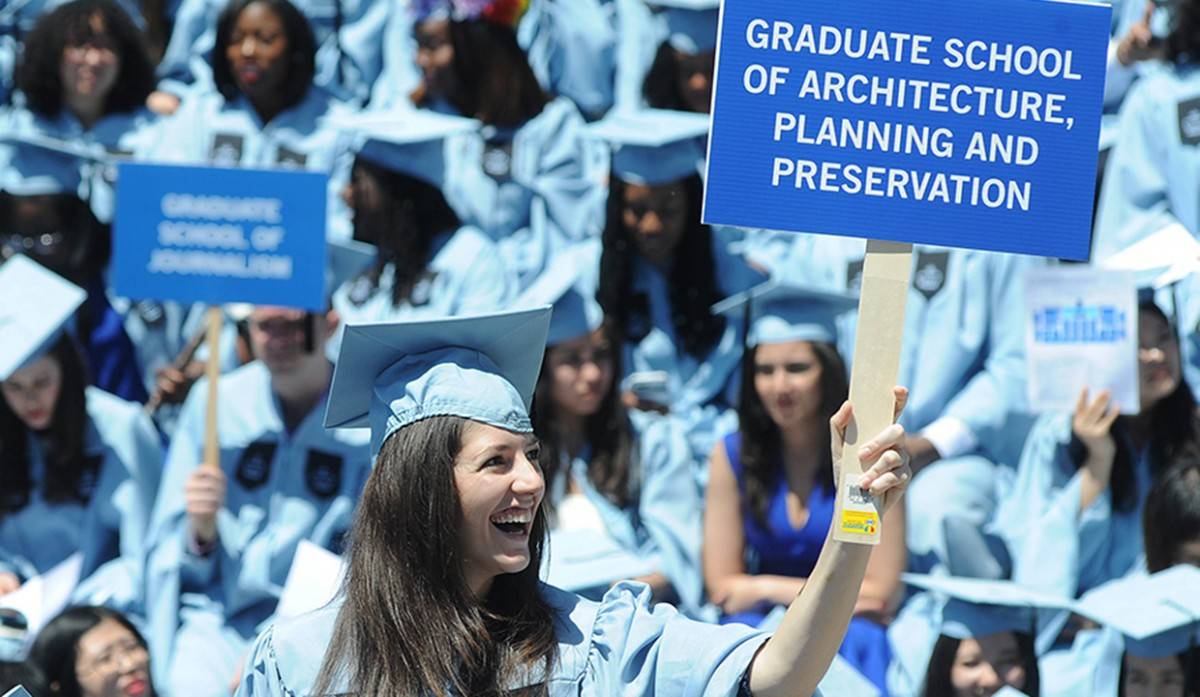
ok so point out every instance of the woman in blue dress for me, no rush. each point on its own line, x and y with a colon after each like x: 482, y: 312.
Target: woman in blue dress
x: 448, y: 539
x: 84, y: 77
x: 610, y: 472
x: 770, y: 498
x: 80, y: 467
x: 534, y: 183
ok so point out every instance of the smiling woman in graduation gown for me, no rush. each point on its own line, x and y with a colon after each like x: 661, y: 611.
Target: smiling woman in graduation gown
x: 449, y: 535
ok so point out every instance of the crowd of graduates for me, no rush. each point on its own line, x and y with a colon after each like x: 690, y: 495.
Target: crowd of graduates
x: 486, y: 156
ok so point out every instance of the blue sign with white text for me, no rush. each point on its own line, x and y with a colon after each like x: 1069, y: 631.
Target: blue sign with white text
x: 200, y: 234
x: 927, y: 121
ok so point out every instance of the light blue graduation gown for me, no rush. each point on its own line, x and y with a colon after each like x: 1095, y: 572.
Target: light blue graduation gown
x: 123, y: 454
x: 702, y: 391
x: 465, y: 276
x: 639, y: 34
x: 1056, y: 547
x: 283, y: 487
x: 664, y: 523
x: 1154, y: 170
x: 349, y: 61
x: 535, y: 189
x: 618, y: 646
x: 571, y: 45
x: 113, y: 136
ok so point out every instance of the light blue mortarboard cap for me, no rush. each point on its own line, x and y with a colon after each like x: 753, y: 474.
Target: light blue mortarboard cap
x: 345, y: 260
x: 569, y: 286
x: 1159, y: 615
x: 979, y: 607
x: 482, y: 368
x: 782, y: 312
x: 37, y: 305
x: 411, y: 141
x: 41, y: 165
x: 691, y: 24
x: 653, y: 146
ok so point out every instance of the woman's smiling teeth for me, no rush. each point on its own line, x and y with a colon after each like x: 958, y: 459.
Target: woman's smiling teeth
x: 513, y: 521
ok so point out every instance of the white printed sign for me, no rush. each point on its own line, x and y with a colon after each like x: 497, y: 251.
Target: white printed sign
x: 1081, y: 331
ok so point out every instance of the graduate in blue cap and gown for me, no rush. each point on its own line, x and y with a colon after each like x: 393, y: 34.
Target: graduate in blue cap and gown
x: 963, y: 637
x: 224, y: 533
x: 429, y: 263
x: 770, y: 498
x: 963, y: 352
x: 666, y: 54
x: 448, y: 540
x: 84, y: 78
x: 353, y: 48
x: 614, y: 476
x: 1084, y: 476
x: 42, y: 216
x: 80, y: 466
x: 571, y: 46
x: 263, y: 110
x: 662, y: 270
x: 534, y: 182
x: 1148, y: 645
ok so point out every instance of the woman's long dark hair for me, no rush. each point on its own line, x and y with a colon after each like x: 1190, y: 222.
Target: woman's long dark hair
x: 301, y: 58
x: 56, y: 648
x: 1171, y: 517
x: 608, y: 432
x: 38, y: 75
x: 1183, y: 42
x: 693, y: 279
x: 63, y: 440
x: 1174, y: 434
x: 412, y: 213
x: 410, y: 625
x: 937, y: 678
x: 762, y: 445
x: 495, y: 83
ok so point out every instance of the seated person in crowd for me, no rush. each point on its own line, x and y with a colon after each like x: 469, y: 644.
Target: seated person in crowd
x: 84, y: 78
x: 617, y: 476
x: 533, y: 183
x: 429, y: 263
x: 356, y: 58
x: 963, y: 355
x: 89, y: 651
x: 224, y: 533
x: 770, y: 499
x: 80, y: 466
x: 666, y: 54
x: 1083, y: 477
x: 46, y: 220
x: 660, y: 273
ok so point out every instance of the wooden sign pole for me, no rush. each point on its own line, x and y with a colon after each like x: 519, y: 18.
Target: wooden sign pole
x: 212, y: 448
x: 885, y: 278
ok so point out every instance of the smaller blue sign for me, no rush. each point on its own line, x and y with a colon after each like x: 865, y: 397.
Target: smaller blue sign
x: 923, y: 121
x: 201, y: 234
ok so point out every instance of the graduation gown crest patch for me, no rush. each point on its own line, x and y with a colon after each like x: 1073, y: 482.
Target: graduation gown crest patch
x: 1189, y: 122
x: 930, y: 275
x: 323, y: 473
x: 254, y: 467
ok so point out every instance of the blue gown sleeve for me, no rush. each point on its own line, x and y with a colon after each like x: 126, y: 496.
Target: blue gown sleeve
x: 1135, y: 200
x: 669, y: 505
x: 486, y: 284
x: 999, y: 387
x: 261, y: 676
x: 183, y: 66
x: 639, y: 35
x: 636, y: 650
x: 571, y: 46
x: 399, y: 75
